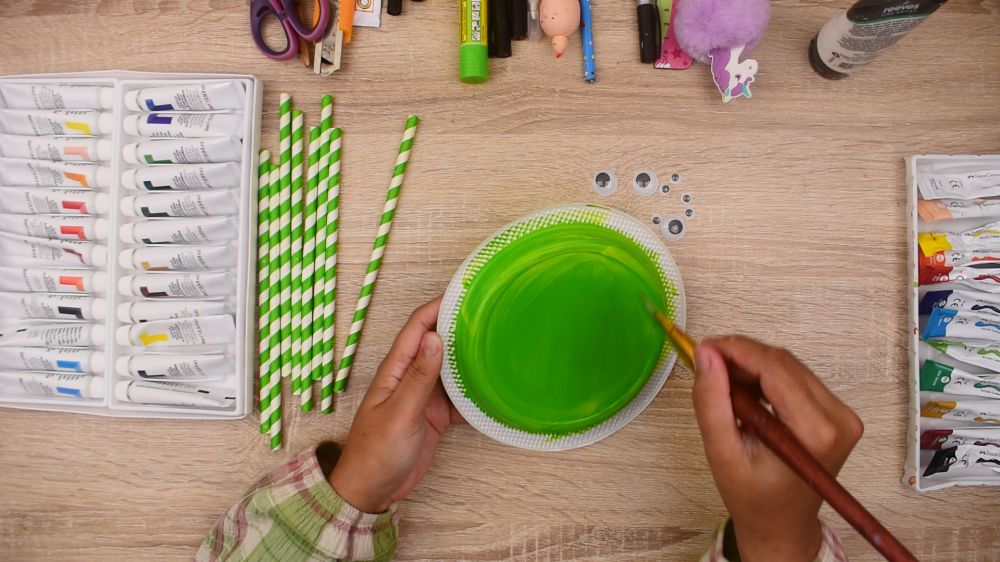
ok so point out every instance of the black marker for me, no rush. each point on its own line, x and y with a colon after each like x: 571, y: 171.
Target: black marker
x: 394, y: 7
x: 519, y: 19
x: 649, y: 30
x: 502, y: 27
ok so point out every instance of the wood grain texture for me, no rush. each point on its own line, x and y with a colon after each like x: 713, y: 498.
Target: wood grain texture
x: 799, y: 239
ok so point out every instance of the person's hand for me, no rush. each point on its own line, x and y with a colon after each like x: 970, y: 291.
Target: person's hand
x: 400, y: 421
x: 774, y: 513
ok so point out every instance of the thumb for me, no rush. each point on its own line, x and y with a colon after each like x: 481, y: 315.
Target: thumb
x: 714, y: 408
x: 419, y: 381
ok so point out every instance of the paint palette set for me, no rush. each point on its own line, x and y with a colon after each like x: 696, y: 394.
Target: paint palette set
x: 954, y: 321
x: 126, y: 212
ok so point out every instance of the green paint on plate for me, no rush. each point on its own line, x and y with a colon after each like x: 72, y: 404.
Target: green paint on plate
x: 552, y: 335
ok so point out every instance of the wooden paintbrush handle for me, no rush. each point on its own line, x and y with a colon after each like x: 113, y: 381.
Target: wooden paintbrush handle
x: 776, y: 435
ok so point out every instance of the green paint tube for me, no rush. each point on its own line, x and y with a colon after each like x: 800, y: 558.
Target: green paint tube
x: 938, y: 377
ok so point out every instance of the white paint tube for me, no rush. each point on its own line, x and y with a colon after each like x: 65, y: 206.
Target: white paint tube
x: 148, y: 310
x: 76, y: 149
x: 178, y: 285
x: 178, y: 258
x: 63, y: 252
x: 44, y: 173
x: 184, y: 151
x: 67, y: 359
x: 181, y: 204
x: 946, y: 438
x: 62, y: 334
x: 957, y: 325
x: 938, y: 377
x: 58, y: 122
x: 37, y: 280
x: 188, y: 367
x: 55, y: 227
x: 206, y: 96
x: 964, y: 185
x: 184, y: 125
x: 35, y: 201
x: 178, y: 231
x: 51, y: 384
x: 53, y: 307
x: 179, y: 177
x: 172, y: 394
x: 56, y: 96
x: 976, y: 411
x: 965, y: 458
x: 205, y: 330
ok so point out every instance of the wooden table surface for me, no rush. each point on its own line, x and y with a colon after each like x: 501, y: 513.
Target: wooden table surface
x: 798, y: 239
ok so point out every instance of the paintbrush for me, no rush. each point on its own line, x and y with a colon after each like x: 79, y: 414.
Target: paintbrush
x: 771, y: 431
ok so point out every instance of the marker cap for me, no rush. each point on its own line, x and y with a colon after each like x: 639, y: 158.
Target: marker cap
x: 473, y: 63
x: 125, y: 260
x: 100, y: 281
x: 132, y: 101
x: 121, y: 335
x: 103, y: 150
x: 107, y: 96
x: 127, y: 233
x: 103, y: 176
x: 129, y: 153
x: 128, y: 180
x: 125, y: 285
x: 97, y: 385
x: 98, y: 334
x: 97, y: 365
x: 121, y: 366
x: 121, y: 391
x: 101, y: 229
x: 127, y: 206
x: 131, y: 125
x: 105, y: 123
x: 99, y: 255
x: 98, y: 309
x: 101, y: 203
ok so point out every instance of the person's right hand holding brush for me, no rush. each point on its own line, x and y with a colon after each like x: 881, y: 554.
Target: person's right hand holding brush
x: 774, y: 513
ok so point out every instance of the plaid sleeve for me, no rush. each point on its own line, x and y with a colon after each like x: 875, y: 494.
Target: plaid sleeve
x: 830, y: 549
x: 293, y: 515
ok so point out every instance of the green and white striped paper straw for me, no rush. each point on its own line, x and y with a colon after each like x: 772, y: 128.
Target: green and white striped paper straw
x: 263, y: 276
x: 325, y: 113
x: 285, y: 238
x: 271, y: 413
x: 330, y: 274
x: 296, y: 282
x: 378, y: 250
x: 319, y: 276
x: 308, y: 267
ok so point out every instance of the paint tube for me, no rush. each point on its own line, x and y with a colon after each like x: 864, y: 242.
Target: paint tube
x: 946, y: 209
x: 979, y: 411
x: 954, y: 325
x: 145, y: 311
x: 982, y: 273
x: 945, y: 438
x: 986, y: 356
x: 205, y: 330
x: 69, y: 359
x: 34, y: 201
x: 36, y: 280
x: 984, y: 303
x: 56, y: 96
x: 58, y: 227
x: 964, y: 458
x: 985, y: 237
x: 938, y: 377
x: 181, y: 204
x: 44, y: 173
x: 66, y: 252
x: 184, y: 151
x: 178, y: 258
x: 172, y: 394
x: 158, y: 366
x: 965, y: 185
x: 178, y: 285
x: 57, y: 122
x: 62, y: 334
x: 206, y: 96
x: 184, y: 125
x: 77, y: 149
x: 955, y: 258
x: 51, y: 384
x: 178, y: 231
x: 178, y: 177
x: 53, y: 307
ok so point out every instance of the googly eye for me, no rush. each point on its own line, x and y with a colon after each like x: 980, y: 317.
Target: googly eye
x: 665, y: 189
x: 672, y: 228
x: 656, y: 219
x: 675, y: 177
x: 644, y: 183
x: 689, y: 213
x: 605, y: 183
x: 687, y: 198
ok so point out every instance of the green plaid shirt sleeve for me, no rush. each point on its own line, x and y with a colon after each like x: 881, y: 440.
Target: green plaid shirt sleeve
x: 293, y: 515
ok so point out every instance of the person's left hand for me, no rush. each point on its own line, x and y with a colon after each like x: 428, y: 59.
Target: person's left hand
x: 400, y: 421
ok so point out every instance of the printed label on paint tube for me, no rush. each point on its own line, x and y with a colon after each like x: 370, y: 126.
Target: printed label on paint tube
x: 982, y: 272
x: 178, y: 285
x: 954, y: 325
x: 43, y: 173
x: 986, y: 356
x: 964, y: 458
x: 51, y: 384
x: 205, y: 330
x: 944, y: 260
x: 978, y: 411
x: 55, y: 335
x: 181, y: 204
x: 174, y: 177
x: 206, y: 96
x: 172, y: 394
x: 147, y: 310
x: 946, y: 209
x: 156, y: 366
x: 56, y: 122
x: 184, y: 151
x: 52, y: 307
x: 35, y: 201
x: 79, y: 149
x: 69, y: 359
x: 69, y: 253
x: 179, y: 231
x: 946, y: 438
x: 969, y: 185
x: 184, y: 125
x: 65, y: 227
x: 983, y: 303
x: 35, y: 280
x: 56, y: 96
x: 178, y: 258
x: 938, y: 377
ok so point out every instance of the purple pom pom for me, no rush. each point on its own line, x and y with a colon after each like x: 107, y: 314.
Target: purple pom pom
x: 703, y: 25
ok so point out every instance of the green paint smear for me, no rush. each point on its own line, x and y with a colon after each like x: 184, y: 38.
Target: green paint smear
x: 553, y: 336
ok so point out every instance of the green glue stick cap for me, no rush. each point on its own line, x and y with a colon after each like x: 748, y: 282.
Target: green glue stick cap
x: 473, y: 64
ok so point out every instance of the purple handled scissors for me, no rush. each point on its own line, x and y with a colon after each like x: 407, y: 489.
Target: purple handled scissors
x: 290, y: 21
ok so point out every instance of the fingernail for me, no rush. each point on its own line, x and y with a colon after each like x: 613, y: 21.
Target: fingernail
x: 702, y: 359
x: 431, y: 347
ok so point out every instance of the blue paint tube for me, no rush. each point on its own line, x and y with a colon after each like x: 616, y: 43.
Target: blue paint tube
x: 956, y: 325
